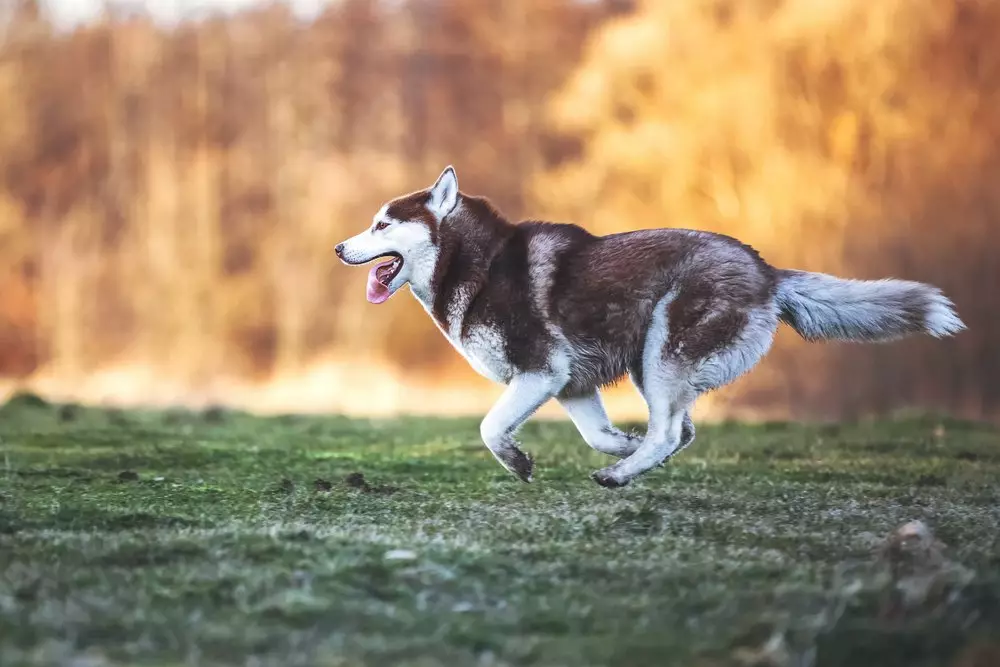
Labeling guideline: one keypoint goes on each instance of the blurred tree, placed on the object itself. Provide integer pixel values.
(833, 137)
(170, 197)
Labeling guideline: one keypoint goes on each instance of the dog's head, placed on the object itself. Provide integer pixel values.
(405, 233)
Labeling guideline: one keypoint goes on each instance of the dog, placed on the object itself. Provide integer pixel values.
(552, 311)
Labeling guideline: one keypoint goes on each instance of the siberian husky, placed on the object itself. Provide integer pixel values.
(553, 311)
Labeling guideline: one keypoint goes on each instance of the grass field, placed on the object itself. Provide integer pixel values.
(185, 538)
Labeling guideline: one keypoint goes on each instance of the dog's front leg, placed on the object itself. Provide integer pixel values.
(522, 398)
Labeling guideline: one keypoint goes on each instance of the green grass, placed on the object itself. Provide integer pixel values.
(175, 538)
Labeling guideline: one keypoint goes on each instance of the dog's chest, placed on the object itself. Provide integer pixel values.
(485, 349)
(483, 346)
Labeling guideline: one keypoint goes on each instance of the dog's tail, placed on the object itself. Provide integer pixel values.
(823, 307)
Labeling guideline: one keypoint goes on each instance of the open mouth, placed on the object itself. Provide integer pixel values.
(381, 277)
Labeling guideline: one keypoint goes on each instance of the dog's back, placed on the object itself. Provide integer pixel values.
(599, 292)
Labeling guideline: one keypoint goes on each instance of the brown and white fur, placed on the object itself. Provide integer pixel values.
(552, 311)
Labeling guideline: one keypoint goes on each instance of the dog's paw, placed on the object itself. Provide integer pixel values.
(607, 479)
(517, 462)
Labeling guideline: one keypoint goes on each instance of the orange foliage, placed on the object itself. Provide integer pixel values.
(840, 136)
(169, 198)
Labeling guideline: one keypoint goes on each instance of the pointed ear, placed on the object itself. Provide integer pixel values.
(444, 194)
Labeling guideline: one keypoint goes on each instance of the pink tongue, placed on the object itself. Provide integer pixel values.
(376, 291)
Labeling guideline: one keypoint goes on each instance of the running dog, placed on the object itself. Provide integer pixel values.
(553, 311)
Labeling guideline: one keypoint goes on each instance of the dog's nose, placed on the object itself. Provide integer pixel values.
(339, 250)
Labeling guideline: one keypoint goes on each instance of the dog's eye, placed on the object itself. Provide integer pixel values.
(380, 225)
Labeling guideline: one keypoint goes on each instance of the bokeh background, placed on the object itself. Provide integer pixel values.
(175, 174)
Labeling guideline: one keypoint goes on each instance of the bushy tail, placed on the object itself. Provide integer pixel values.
(819, 306)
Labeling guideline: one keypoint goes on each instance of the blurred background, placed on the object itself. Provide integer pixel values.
(175, 173)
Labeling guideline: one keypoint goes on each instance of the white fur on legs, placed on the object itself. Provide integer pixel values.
(588, 415)
(662, 441)
(522, 398)
(664, 384)
(687, 425)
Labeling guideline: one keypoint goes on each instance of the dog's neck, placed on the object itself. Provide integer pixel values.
(468, 241)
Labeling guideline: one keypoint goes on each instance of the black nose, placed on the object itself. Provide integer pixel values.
(339, 250)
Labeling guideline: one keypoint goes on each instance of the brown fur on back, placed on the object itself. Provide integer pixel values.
(598, 292)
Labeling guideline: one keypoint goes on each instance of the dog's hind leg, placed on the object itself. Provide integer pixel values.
(664, 384)
(687, 425)
(670, 398)
(588, 415)
(671, 379)
(522, 398)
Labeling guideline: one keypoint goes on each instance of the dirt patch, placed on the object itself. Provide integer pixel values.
(356, 480)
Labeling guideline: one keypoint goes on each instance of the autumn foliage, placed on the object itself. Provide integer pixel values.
(169, 198)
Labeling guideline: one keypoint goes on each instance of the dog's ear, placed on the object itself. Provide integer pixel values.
(444, 194)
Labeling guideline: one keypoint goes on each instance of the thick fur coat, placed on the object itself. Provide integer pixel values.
(553, 311)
